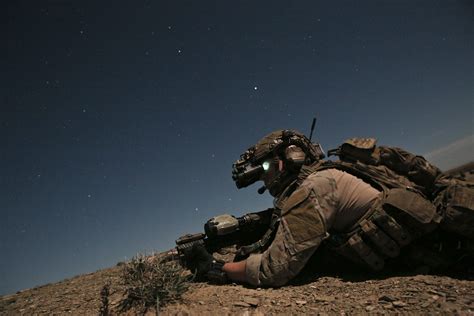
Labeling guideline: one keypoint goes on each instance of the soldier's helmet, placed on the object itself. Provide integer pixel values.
(290, 146)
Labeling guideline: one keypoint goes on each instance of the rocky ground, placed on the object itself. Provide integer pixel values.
(417, 294)
(311, 294)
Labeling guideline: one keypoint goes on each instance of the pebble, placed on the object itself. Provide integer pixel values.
(387, 306)
(386, 298)
(323, 298)
(301, 302)
(241, 304)
(252, 301)
(369, 308)
(399, 304)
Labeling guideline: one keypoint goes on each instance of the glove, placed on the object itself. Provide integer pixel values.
(198, 260)
(204, 265)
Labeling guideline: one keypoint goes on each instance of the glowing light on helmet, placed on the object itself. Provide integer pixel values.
(266, 165)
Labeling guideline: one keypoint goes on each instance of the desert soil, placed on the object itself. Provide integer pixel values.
(323, 294)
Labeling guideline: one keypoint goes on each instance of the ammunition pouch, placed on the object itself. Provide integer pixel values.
(457, 203)
(394, 221)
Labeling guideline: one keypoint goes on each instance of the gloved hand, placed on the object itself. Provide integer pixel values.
(204, 265)
(199, 261)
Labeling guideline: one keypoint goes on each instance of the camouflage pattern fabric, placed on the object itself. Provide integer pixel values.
(455, 201)
(307, 215)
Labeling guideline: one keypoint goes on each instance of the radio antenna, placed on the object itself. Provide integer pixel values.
(312, 128)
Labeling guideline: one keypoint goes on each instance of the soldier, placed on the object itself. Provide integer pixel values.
(375, 206)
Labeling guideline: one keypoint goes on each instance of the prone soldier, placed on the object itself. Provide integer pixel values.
(374, 207)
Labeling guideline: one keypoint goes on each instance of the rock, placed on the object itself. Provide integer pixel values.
(323, 298)
(301, 302)
(399, 304)
(387, 298)
(252, 301)
(241, 304)
(436, 292)
(387, 305)
(370, 308)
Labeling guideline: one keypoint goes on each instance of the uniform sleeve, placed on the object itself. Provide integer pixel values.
(301, 230)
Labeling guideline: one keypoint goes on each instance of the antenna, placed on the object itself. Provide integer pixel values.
(312, 129)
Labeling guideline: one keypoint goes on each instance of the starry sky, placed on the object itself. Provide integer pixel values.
(120, 120)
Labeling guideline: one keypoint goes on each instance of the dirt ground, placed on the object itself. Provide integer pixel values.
(417, 294)
(314, 294)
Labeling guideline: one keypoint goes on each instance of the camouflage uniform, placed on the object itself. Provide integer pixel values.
(326, 200)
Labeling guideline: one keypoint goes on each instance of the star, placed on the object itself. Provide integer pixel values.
(255, 88)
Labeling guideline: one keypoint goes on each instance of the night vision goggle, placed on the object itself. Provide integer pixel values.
(245, 172)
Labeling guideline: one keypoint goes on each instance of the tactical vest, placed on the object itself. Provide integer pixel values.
(401, 215)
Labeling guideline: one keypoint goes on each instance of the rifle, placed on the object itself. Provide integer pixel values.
(224, 231)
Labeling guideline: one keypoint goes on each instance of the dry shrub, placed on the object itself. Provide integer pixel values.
(153, 282)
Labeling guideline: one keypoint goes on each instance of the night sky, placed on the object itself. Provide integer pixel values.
(120, 120)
